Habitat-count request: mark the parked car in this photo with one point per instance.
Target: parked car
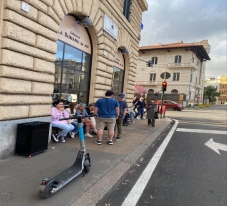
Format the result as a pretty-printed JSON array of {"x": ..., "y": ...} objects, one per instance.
[{"x": 171, "y": 105}]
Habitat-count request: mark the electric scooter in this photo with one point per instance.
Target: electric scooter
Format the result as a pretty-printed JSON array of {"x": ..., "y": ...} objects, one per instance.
[{"x": 49, "y": 186}]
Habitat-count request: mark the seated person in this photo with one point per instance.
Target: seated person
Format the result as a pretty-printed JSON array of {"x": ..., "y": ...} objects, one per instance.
[
  {"x": 129, "y": 115},
  {"x": 90, "y": 110},
  {"x": 87, "y": 122},
  {"x": 72, "y": 111},
  {"x": 58, "y": 112}
]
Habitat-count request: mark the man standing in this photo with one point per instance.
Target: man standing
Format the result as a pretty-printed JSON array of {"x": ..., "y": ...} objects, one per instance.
[
  {"x": 151, "y": 109},
  {"x": 107, "y": 110},
  {"x": 119, "y": 121}
]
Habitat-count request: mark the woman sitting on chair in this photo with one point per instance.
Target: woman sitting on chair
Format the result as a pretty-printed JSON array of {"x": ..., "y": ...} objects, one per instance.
[
  {"x": 87, "y": 122},
  {"x": 72, "y": 111},
  {"x": 58, "y": 112}
]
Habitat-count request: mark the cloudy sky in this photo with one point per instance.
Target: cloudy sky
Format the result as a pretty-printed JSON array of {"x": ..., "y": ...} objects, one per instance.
[{"x": 168, "y": 21}]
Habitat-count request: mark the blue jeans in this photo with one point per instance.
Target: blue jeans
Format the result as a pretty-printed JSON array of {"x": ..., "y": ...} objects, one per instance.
[
  {"x": 76, "y": 128},
  {"x": 131, "y": 116},
  {"x": 140, "y": 112},
  {"x": 65, "y": 128}
]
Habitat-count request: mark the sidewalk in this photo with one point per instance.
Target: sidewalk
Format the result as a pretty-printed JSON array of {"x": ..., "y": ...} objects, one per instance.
[{"x": 20, "y": 176}]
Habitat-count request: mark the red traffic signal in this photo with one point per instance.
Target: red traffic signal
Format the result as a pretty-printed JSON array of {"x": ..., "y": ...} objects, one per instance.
[{"x": 164, "y": 85}]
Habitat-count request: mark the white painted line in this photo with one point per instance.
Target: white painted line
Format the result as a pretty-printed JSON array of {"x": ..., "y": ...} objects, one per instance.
[
  {"x": 201, "y": 131},
  {"x": 138, "y": 188}
]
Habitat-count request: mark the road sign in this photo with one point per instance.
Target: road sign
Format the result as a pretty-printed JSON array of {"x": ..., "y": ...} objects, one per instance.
[
  {"x": 198, "y": 97},
  {"x": 165, "y": 75}
]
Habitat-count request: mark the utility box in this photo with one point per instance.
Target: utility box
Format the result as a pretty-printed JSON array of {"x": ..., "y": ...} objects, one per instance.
[{"x": 32, "y": 138}]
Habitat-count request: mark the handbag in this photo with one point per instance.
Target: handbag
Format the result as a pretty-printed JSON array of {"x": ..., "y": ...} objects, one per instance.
[{"x": 156, "y": 115}]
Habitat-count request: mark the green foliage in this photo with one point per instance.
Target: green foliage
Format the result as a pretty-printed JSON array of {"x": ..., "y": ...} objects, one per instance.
[
  {"x": 201, "y": 106},
  {"x": 210, "y": 92}
]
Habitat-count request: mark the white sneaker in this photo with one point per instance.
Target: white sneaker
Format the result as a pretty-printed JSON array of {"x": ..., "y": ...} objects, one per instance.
[
  {"x": 62, "y": 139},
  {"x": 72, "y": 134},
  {"x": 88, "y": 135}
]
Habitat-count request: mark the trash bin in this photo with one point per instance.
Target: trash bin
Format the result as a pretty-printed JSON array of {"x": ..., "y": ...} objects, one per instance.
[{"x": 32, "y": 138}]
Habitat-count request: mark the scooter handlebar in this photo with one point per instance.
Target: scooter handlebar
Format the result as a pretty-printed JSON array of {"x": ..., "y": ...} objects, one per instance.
[{"x": 79, "y": 116}]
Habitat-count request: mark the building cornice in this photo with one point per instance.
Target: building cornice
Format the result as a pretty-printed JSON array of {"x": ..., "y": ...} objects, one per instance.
[{"x": 143, "y": 5}]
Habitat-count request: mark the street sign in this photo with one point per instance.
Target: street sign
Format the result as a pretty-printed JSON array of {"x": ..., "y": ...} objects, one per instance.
[{"x": 165, "y": 75}]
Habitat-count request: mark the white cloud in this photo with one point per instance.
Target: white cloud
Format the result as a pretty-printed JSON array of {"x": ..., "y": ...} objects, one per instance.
[{"x": 190, "y": 21}]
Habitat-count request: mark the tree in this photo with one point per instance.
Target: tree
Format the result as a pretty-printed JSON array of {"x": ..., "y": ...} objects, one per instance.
[
  {"x": 210, "y": 92},
  {"x": 140, "y": 90}
]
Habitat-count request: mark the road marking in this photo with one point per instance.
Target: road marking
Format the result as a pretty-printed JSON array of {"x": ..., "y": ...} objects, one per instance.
[
  {"x": 201, "y": 131},
  {"x": 138, "y": 188},
  {"x": 216, "y": 146}
]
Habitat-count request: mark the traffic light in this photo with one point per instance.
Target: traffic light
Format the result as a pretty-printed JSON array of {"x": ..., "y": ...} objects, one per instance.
[
  {"x": 149, "y": 63},
  {"x": 164, "y": 85},
  {"x": 156, "y": 94}
]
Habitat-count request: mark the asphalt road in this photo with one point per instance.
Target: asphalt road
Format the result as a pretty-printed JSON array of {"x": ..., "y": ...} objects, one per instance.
[{"x": 191, "y": 170}]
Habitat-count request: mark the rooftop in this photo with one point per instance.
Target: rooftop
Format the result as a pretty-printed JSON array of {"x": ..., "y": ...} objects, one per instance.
[{"x": 197, "y": 48}]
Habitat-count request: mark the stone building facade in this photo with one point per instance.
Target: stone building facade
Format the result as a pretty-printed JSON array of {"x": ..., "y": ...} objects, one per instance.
[
  {"x": 30, "y": 41},
  {"x": 185, "y": 62}
]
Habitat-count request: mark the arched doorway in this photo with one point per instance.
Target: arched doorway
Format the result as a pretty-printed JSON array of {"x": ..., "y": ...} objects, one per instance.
[
  {"x": 73, "y": 62},
  {"x": 150, "y": 91},
  {"x": 174, "y": 91}
]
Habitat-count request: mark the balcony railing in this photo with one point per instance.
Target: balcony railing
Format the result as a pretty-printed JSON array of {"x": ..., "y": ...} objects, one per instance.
[
  {"x": 182, "y": 65},
  {"x": 148, "y": 83}
]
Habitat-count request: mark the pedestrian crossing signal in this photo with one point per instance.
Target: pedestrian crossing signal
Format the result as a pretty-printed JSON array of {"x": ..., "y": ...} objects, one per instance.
[{"x": 164, "y": 85}]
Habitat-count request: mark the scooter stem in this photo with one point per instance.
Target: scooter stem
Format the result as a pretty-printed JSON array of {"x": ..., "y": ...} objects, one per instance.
[{"x": 81, "y": 135}]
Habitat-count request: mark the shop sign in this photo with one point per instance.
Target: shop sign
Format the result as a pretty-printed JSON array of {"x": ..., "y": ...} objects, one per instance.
[
  {"x": 74, "y": 34},
  {"x": 119, "y": 60},
  {"x": 110, "y": 27}
]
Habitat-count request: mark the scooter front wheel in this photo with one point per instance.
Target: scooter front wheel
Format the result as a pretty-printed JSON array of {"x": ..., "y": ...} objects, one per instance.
[
  {"x": 86, "y": 169},
  {"x": 47, "y": 192}
]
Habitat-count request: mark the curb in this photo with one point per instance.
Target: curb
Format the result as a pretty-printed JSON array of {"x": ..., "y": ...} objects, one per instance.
[{"x": 108, "y": 182}]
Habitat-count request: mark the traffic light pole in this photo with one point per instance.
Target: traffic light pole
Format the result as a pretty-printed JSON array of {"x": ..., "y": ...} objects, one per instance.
[
  {"x": 163, "y": 92},
  {"x": 161, "y": 104}
]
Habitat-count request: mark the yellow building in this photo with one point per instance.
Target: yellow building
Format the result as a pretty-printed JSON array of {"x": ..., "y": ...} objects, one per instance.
[
  {"x": 222, "y": 99},
  {"x": 76, "y": 49}
]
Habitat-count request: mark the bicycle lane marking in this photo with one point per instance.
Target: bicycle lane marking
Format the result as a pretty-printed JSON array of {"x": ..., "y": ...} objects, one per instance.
[{"x": 138, "y": 188}]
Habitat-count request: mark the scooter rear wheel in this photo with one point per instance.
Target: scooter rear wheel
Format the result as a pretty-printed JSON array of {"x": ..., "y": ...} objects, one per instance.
[{"x": 46, "y": 192}]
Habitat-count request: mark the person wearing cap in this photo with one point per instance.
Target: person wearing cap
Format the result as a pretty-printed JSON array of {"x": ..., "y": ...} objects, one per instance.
[
  {"x": 119, "y": 122},
  {"x": 107, "y": 111}
]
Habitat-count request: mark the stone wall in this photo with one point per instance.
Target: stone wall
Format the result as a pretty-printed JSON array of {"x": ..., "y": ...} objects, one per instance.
[{"x": 28, "y": 47}]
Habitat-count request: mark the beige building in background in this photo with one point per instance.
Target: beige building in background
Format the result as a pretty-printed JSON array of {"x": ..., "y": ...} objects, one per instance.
[
  {"x": 76, "y": 49},
  {"x": 186, "y": 63},
  {"x": 222, "y": 99}
]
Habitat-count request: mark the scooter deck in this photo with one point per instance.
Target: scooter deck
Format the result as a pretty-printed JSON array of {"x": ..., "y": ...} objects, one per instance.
[{"x": 73, "y": 171}]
